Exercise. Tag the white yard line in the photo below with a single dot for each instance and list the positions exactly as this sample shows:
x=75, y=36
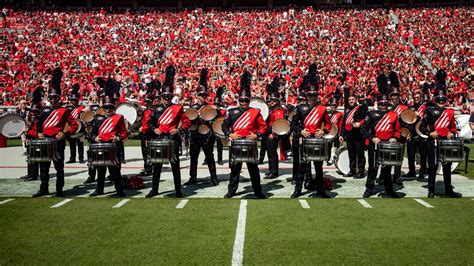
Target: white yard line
x=61, y=203
x=238, y=253
x=181, y=204
x=424, y=203
x=364, y=203
x=121, y=203
x=304, y=204
x=5, y=201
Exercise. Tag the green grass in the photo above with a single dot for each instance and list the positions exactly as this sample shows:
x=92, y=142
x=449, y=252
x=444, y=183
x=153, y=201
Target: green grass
x=278, y=232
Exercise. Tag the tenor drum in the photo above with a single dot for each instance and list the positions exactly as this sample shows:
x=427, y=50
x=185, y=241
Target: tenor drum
x=217, y=127
x=132, y=112
x=462, y=124
x=103, y=154
x=12, y=125
x=342, y=160
x=161, y=151
x=259, y=103
x=390, y=154
x=281, y=127
x=41, y=150
x=314, y=149
x=204, y=129
x=208, y=112
x=451, y=150
x=243, y=151
x=454, y=166
x=192, y=114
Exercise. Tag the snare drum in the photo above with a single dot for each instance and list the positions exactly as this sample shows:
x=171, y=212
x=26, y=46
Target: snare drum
x=243, y=151
x=451, y=150
x=390, y=154
x=314, y=150
x=161, y=151
x=103, y=154
x=41, y=150
x=12, y=125
x=132, y=112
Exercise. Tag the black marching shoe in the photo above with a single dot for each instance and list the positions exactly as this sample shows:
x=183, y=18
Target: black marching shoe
x=220, y=162
x=454, y=195
x=151, y=194
x=360, y=175
x=368, y=193
x=145, y=172
x=81, y=161
x=31, y=179
x=260, y=195
x=392, y=194
x=40, y=193
x=260, y=161
x=204, y=163
x=96, y=193
x=350, y=174
x=270, y=176
x=409, y=174
x=323, y=194
x=297, y=193
x=59, y=194
x=191, y=181
x=178, y=194
x=214, y=181
x=89, y=180
x=25, y=177
x=229, y=195
x=71, y=161
x=121, y=194
x=421, y=176
x=431, y=195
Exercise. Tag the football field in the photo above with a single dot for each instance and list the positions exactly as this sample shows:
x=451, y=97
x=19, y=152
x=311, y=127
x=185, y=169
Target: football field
x=139, y=231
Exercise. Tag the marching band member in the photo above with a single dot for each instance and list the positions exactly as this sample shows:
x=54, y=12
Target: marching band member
x=336, y=118
x=164, y=122
x=353, y=120
x=380, y=125
x=301, y=103
x=398, y=108
x=415, y=143
x=439, y=123
x=198, y=141
x=32, y=130
x=244, y=122
x=222, y=112
x=307, y=122
x=271, y=139
x=145, y=133
x=76, y=110
x=109, y=128
x=52, y=121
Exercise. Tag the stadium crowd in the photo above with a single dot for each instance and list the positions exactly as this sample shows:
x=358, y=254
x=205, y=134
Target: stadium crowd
x=135, y=47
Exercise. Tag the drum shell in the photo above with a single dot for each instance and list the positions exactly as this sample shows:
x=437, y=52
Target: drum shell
x=243, y=151
x=12, y=125
x=314, y=150
x=103, y=154
x=161, y=151
x=390, y=154
x=41, y=150
x=451, y=150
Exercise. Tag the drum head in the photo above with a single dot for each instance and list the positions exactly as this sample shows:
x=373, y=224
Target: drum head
x=12, y=125
x=207, y=113
x=342, y=160
x=281, y=126
x=408, y=116
x=405, y=132
x=417, y=129
x=217, y=126
x=87, y=116
x=204, y=129
x=332, y=133
x=464, y=130
x=128, y=111
x=192, y=114
x=259, y=103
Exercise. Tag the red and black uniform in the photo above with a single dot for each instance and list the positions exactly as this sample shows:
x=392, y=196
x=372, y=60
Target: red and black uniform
x=417, y=144
x=244, y=122
x=271, y=145
x=106, y=128
x=354, y=139
x=441, y=120
x=204, y=142
x=166, y=118
x=220, y=147
x=398, y=109
x=73, y=142
x=145, y=135
x=32, y=133
x=310, y=118
x=382, y=125
x=51, y=122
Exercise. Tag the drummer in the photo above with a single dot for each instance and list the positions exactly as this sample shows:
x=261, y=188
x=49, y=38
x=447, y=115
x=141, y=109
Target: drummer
x=52, y=124
x=244, y=122
x=199, y=141
x=439, y=123
x=109, y=128
x=380, y=125
x=76, y=110
x=145, y=133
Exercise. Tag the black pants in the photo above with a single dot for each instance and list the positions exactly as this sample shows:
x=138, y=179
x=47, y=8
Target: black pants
x=272, y=150
x=263, y=147
x=414, y=146
x=433, y=167
x=220, y=147
x=143, y=142
x=296, y=161
x=33, y=170
x=73, y=142
x=58, y=165
x=206, y=144
x=116, y=176
x=285, y=143
x=254, y=173
x=303, y=169
x=175, y=167
x=355, y=148
x=385, y=171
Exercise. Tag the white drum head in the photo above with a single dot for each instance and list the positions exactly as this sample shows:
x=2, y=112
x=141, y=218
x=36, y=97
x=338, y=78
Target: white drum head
x=128, y=111
x=342, y=160
x=464, y=130
x=12, y=125
x=261, y=105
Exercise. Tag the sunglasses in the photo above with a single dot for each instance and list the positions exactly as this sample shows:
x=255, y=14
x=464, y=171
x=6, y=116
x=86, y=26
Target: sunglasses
x=108, y=107
x=244, y=101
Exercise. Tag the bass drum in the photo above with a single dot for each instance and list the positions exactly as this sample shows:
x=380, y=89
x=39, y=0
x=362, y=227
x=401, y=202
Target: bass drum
x=453, y=168
x=462, y=124
x=132, y=112
x=259, y=103
x=12, y=125
x=342, y=160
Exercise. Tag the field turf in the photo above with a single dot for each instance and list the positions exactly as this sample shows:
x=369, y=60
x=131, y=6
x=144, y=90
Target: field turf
x=278, y=232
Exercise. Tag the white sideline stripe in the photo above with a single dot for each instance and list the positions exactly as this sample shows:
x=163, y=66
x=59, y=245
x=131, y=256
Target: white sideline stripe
x=238, y=252
x=61, y=203
x=5, y=201
x=181, y=204
x=304, y=204
x=121, y=203
x=424, y=203
x=364, y=203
